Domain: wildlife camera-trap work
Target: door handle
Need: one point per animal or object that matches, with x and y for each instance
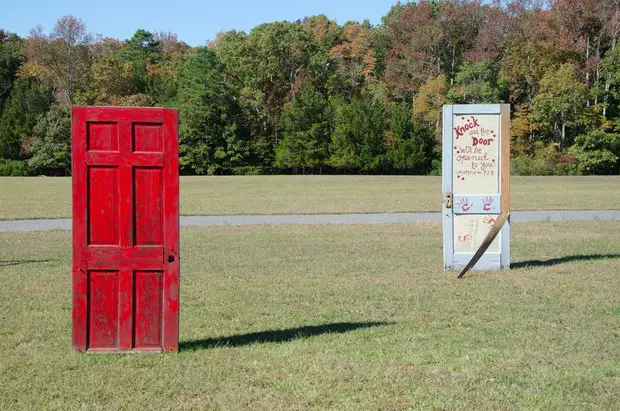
(448, 199)
(172, 256)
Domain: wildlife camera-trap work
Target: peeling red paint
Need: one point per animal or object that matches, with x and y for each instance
(125, 228)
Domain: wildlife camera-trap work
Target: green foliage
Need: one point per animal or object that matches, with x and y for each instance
(358, 139)
(305, 128)
(52, 148)
(13, 168)
(479, 83)
(212, 140)
(27, 101)
(412, 147)
(318, 96)
(597, 152)
(546, 161)
(11, 58)
(140, 51)
(560, 102)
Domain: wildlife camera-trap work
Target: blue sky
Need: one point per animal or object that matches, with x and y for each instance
(193, 21)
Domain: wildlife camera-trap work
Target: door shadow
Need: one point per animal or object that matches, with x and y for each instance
(560, 260)
(275, 336)
(20, 262)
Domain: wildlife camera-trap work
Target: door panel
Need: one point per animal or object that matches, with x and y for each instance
(471, 229)
(102, 136)
(103, 205)
(102, 309)
(148, 196)
(147, 137)
(148, 308)
(125, 229)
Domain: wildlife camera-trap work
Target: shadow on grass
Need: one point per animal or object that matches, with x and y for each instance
(20, 262)
(560, 260)
(275, 336)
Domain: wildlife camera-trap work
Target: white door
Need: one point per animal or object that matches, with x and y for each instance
(472, 183)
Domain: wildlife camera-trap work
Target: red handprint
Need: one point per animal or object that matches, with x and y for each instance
(486, 204)
(465, 237)
(464, 204)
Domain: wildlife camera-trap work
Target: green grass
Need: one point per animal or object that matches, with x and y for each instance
(45, 197)
(545, 335)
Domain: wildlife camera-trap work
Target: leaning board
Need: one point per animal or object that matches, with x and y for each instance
(476, 168)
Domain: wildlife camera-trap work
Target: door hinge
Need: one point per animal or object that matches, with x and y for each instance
(448, 199)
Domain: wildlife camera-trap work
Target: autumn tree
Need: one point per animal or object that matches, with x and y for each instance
(428, 104)
(414, 57)
(62, 59)
(586, 22)
(354, 59)
(323, 34)
(264, 68)
(533, 46)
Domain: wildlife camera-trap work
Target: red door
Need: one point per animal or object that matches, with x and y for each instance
(125, 229)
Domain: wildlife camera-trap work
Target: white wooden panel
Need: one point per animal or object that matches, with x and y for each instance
(470, 230)
(476, 108)
(475, 146)
(476, 204)
(489, 261)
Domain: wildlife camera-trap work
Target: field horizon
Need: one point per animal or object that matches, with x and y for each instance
(50, 197)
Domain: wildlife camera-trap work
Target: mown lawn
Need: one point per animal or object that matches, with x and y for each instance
(46, 197)
(338, 317)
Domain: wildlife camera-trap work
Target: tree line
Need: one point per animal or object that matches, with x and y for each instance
(313, 96)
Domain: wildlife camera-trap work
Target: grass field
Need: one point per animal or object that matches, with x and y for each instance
(45, 197)
(338, 317)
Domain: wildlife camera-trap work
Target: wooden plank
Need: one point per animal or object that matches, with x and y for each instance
(145, 115)
(171, 233)
(139, 257)
(148, 206)
(488, 261)
(125, 309)
(505, 183)
(148, 309)
(458, 109)
(125, 185)
(141, 159)
(505, 157)
(103, 309)
(79, 187)
(103, 205)
(446, 181)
